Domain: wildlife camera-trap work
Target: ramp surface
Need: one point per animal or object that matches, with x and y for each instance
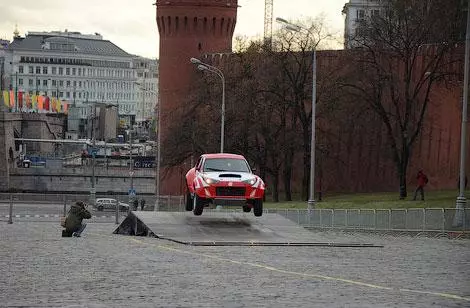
(226, 229)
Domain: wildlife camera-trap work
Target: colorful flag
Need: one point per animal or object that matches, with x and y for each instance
(6, 98)
(54, 104)
(12, 99)
(20, 100)
(40, 102)
(66, 108)
(34, 103)
(28, 101)
(47, 103)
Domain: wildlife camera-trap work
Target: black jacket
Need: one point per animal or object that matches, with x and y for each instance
(75, 216)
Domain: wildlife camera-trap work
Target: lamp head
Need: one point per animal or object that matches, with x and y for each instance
(287, 25)
(281, 20)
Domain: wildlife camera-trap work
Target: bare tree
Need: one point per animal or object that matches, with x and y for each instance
(400, 55)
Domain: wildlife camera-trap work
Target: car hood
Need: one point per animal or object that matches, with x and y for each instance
(229, 175)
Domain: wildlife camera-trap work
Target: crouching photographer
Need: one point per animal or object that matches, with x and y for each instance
(75, 216)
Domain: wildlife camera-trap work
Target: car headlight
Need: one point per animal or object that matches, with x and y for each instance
(210, 181)
(251, 181)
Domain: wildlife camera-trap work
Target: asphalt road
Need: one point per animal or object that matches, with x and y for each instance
(47, 212)
(105, 270)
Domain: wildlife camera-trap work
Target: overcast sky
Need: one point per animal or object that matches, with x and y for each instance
(131, 25)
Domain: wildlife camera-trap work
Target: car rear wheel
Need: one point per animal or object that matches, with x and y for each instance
(189, 202)
(198, 205)
(246, 208)
(258, 207)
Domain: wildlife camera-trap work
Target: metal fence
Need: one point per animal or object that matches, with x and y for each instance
(422, 219)
(419, 219)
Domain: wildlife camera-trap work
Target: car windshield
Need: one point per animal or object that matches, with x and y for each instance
(225, 164)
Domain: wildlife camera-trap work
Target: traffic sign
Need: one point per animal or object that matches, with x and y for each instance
(131, 173)
(132, 192)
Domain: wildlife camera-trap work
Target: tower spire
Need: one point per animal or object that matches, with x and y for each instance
(16, 33)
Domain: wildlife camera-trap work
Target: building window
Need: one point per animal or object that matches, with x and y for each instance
(54, 70)
(20, 69)
(61, 70)
(74, 83)
(67, 71)
(74, 71)
(30, 82)
(360, 14)
(44, 70)
(20, 81)
(79, 84)
(54, 83)
(68, 83)
(38, 70)
(79, 71)
(79, 94)
(61, 83)
(38, 82)
(44, 82)
(54, 93)
(67, 94)
(31, 69)
(61, 94)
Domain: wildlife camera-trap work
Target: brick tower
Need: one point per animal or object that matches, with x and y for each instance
(187, 28)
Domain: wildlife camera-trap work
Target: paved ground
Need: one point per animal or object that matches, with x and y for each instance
(41, 269)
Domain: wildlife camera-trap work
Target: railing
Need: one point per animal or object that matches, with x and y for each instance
(422, 219)
(417, 219)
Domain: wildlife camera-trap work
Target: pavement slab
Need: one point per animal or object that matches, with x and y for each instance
(101, 269)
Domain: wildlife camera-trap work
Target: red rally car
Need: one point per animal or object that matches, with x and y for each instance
(224, 179)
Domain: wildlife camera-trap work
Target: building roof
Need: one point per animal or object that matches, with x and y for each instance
(42, 41)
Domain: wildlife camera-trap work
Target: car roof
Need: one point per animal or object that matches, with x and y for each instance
(223, 155)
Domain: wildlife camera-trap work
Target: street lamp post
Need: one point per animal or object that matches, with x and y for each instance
(93, 153)
(204, 66)
(297, 28)
(131, 165)
(461, 201)
(157, 176)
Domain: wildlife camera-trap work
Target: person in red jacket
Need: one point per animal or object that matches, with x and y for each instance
(422, 180)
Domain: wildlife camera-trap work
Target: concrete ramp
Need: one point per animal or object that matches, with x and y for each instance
(214, 228)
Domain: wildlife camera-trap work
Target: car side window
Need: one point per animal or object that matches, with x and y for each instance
(199, 164)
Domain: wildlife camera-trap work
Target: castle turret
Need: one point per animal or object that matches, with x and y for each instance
(188, 28)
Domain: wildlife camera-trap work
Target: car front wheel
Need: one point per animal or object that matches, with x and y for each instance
(189, 202)
(198, 205)
(258, 207)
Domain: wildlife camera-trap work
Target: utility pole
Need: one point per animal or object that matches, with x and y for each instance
(93, 153)
(461, 200)
(131, 164)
